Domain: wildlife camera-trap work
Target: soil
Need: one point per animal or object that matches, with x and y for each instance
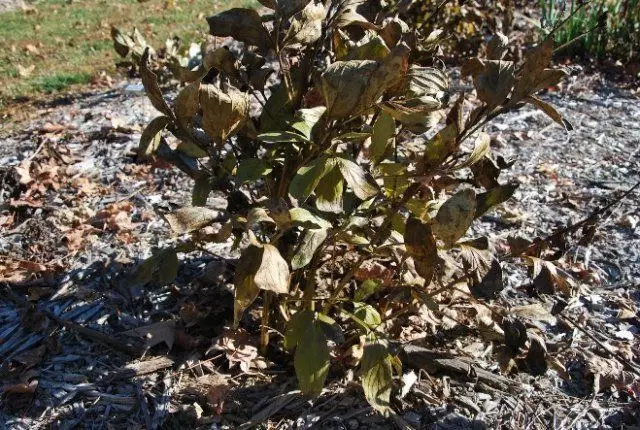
(54, 375)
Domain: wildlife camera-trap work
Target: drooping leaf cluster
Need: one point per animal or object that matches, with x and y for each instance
(354, 162)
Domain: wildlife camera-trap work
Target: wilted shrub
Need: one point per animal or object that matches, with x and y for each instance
(351, 187)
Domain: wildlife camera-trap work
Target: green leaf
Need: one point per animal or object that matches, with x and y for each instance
(150, 139)
(480, 150)
(311, 360)
(363, 185)
(307, 178)
(366, 289)
(384, 130)
(150, 83)
(281, 136)
(376, 375)
(191, 149)
(394, 178)
(252, 169)
(188, 219)
(493, 197)
(307, 219)
(455, 216)
(201, 191)
(367, 314)
(309, 244)
(329, 191)
(421, 246)
(306, 119)
(296, 328)
(244, 25)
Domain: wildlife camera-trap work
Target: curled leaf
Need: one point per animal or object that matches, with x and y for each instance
(190, 219)
(150, 138)
(150, 83)
(224, 110)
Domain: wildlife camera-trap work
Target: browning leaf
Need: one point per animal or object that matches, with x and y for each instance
(150, 83)
(188, 219)
(455, 216)
(550, 111)
(493, 197)
(224, 111)
(244, 25)
(494, 82)
(352, 87)
(150, 138)
(421, 246)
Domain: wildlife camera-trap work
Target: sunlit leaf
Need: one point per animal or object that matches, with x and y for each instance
(480, 150)
(455, 216)
(360, 182)
(273, 272)
(550, 111)
(493, 197)
(329, 191)
(311, 241)
(307, 27)
(384, 129)
(191, 218)
(224, 110)
(150, 138)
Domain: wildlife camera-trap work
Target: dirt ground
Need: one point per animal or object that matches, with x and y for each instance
(97, 211)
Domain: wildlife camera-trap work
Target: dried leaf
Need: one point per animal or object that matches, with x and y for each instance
(352, 87)
(494, 82)
(421, 246)
(244, 25)
(531, 75)
(307, 27)
(224, 111)
(273, 272)
(498, 46)
(191, 218)
(187, 105)
(150, 83)
(550, 111)
(150, 138)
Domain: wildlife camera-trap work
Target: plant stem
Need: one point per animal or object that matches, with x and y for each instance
(264, 329)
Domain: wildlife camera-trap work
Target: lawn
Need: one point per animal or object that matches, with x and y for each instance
(61, 43)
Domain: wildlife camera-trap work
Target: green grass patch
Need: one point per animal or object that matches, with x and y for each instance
(59, 81)
(598, 29)
(69, 42)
